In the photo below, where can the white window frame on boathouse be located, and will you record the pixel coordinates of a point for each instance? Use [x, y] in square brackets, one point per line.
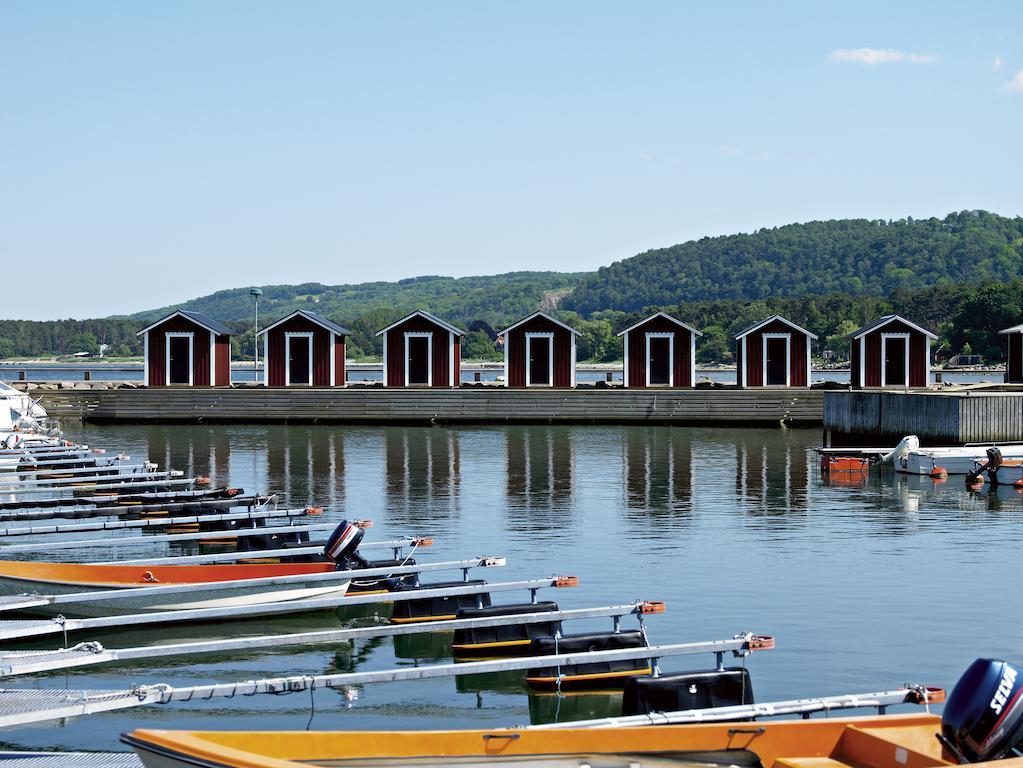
[670, 336]
[884, 356]
[168, 335]
[429, 357]
[550, 357]
[788, 358]
[288, 336]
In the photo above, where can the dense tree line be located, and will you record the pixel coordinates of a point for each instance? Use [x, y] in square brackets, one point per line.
[29, 338]
[963, 314]
[957, 276]
[852, 256]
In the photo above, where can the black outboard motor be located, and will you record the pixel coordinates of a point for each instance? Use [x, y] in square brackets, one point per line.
[994, 461]
[983, 717]
[342, 547]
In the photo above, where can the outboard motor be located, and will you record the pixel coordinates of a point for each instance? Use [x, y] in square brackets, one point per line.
[994, 461]
[983, 717]
[342, 546]
[899, 453]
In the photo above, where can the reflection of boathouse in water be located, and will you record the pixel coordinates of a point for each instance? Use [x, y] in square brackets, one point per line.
[539, 477]
[198, 449]
[658, 469]
[772, 479]
[306, 465]
[422, 475]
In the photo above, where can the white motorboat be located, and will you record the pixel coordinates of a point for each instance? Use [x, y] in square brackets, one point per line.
[23, 422]
[910, 458]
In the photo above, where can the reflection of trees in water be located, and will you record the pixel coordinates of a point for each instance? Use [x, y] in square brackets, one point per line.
[658, 468]
[772, 477]
[422, 475]
[306, 465]
[541, 465]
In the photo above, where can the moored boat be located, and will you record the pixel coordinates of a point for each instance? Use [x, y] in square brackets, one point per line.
[117, 589]
[22, 577]
[982, 724]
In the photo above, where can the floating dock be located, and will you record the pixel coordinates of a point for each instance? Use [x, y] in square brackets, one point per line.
[969, 415]
[467, 405]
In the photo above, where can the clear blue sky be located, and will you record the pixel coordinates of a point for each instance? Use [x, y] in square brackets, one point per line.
[153, 152]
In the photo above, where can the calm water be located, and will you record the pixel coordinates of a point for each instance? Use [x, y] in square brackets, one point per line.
[864, 587]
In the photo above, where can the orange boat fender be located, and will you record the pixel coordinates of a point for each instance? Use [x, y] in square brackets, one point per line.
[939, 473]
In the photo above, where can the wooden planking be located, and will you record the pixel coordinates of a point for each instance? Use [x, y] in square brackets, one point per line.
[994, 417]
[934, 417]
[483, 405]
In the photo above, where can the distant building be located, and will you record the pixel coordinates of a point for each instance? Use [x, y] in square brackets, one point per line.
[965, 361]
[1013, 354]
[539, 351]
[891, 352]
[304, 350]
[187, 349]
[773, 353]
[660, 351]
[421, 350]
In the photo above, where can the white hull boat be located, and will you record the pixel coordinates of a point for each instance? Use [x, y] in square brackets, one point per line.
[909, 458]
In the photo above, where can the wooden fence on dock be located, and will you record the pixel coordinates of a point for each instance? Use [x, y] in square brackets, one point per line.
[935, 417]
[485, 405]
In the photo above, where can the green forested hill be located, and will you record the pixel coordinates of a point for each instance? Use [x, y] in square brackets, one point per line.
[474, 302]
[958, 275]
[495, 298]
[850, 256]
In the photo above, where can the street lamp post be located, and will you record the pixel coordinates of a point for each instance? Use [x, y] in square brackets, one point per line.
[255, 293]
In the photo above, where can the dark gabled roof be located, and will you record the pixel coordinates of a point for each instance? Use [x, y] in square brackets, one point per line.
[423, 313]
[666, 316]
[883, 321]
[544, 315]
[771, 319]
[312, 317]
[196, 317]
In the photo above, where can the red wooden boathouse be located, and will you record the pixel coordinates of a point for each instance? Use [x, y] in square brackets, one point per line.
[187, 349]
[539, 351]
[773, 353]
[660, 351]
[891, 352]
[421, 350]
[304, 350]
[1013, 354]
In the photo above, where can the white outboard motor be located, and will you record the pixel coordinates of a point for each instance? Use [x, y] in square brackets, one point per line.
[901, 451]
[342, 546]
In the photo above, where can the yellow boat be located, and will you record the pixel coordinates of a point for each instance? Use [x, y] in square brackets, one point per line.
[982, 724]
[889, 741]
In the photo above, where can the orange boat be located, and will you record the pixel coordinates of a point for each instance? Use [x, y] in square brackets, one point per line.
[47, 578]
[982, 724]
[22, 577]
[889, 741]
